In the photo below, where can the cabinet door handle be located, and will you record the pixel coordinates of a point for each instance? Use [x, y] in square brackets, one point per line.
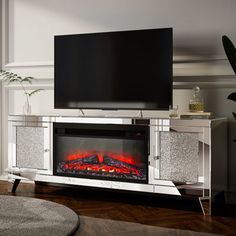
[46, 150]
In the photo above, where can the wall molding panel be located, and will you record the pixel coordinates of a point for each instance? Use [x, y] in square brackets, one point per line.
[205, 69]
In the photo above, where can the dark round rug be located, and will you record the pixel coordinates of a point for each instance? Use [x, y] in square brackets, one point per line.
[30, 216]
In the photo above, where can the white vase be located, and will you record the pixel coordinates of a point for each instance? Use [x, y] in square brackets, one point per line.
[27, 107]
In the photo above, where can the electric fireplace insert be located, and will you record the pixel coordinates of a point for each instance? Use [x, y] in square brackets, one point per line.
[101, 151]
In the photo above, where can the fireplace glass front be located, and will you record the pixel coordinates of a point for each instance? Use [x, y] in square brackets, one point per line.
[101, 151]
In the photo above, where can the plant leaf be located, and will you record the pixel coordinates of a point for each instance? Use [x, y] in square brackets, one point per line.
[5, 75]
[234, 114]
[230, 51]
[232, 96]
[34, 92]
[13, 79]
[2, 73]
[27, 79]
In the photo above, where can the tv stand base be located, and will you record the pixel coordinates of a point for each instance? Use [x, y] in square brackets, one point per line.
[187, 158]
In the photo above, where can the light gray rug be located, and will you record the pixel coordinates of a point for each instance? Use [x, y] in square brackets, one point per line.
[29, 216]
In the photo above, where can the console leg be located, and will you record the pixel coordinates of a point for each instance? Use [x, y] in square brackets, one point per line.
[15, 185]
[205, 205]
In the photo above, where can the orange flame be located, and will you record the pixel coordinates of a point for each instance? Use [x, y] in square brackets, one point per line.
[124, 157]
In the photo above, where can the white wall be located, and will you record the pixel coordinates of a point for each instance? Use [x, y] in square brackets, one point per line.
[198, 53]
[197, 25]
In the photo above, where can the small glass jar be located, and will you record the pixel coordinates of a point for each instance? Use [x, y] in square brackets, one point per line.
[196, 104]
[173, 111]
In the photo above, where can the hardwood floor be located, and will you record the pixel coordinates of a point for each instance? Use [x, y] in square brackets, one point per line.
[96, 206]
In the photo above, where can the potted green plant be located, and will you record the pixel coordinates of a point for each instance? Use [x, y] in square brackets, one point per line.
[230, 51]
[11, 77]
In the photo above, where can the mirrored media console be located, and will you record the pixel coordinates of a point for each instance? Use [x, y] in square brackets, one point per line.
[160, 156]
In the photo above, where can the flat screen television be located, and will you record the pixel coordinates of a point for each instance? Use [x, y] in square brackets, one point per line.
[114, 70]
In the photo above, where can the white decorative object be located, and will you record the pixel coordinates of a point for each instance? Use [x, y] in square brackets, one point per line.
[27, 106]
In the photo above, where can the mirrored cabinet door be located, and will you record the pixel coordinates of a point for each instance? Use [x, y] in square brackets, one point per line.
[29, 145]
[180, 157]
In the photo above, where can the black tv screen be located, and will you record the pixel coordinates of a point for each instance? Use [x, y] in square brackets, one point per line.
[114, 70]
